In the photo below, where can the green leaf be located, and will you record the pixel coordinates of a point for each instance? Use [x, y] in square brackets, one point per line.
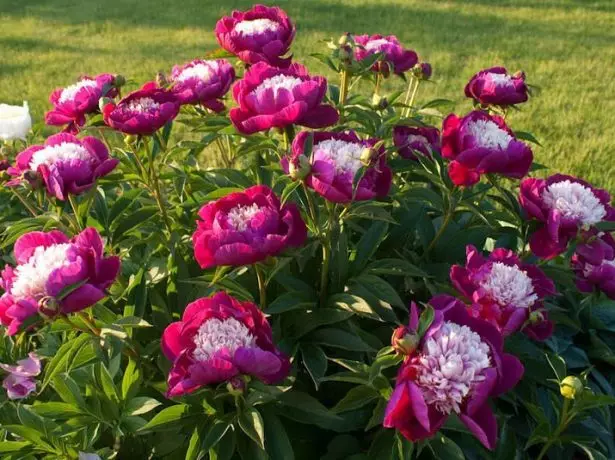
[62, 360]
[131, 382]
[134, 221]
[7, 447]
[106, 382]
[525, 136]
[338, 338]
[140, 405]
[279, 447]
[315, 362]
[425, 320]
[443, 447]
[307, 404]
[377, 415]
[194, 445]
[167, 418]
[301, 323]
[251, 423]
[357, 397]
[296, 300]
[397, 267]
[56, 410]
[368, 244]
[215, 433]
[380, 289]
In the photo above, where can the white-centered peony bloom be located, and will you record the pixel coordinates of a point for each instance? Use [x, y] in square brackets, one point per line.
[215, 335]
[15, 121]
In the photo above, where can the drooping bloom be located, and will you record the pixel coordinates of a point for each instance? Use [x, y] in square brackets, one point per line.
[55, 275]
[142, 112]
[458, 365]
[243, 228]
[496, 86]
[409, 139]
[73, 103]
[270, 97]
[66, 164]
[335, 160]
[202, 82]
[261, 34]
[218, 338]
[21, 382]
[15, 121]
[594, 263]
[479, 144]
[563, 205]
[395, 55]
[504, 291]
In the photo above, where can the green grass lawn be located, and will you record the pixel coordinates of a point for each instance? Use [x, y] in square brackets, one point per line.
[567, 47]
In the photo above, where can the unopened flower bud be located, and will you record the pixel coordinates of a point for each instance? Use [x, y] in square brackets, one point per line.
[161, 80]
[4, 165]
[103, 101]
[537, 317]
[119, 80]
[48, 306]
[519, 74]
[367, 155]
[299, 168]
[236, 386]
[33, 178]
[404, 341]
[379, 102]
[571, 387]
[422, 71]
[345, 54]
[345, 40]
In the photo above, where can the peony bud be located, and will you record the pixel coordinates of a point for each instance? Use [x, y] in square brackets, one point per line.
[300, 168]
[103, 101]
[519, 74]
[422, 71]
[345, 54]
[48, 306]
[368, 155]
[571, 387]
[379, 102]
[536, 317]
[404, 341]
[119, 81]
[345, 40]
[33, 178]
[161, 80]
[236, 386]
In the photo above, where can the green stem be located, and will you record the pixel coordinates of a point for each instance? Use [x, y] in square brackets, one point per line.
[447, 219]
[27, 205]
[104, 138]
[155, 187]
[225, 158]
[345, 80]
[378, 80]
[563, 423]
[311, 206]
[75, 208]
[411, 102]
[289, 135]
[262, 286]
[326, 255]
[411, 83]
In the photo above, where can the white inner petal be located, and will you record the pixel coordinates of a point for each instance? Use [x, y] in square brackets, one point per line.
[574, 201]
[346, 156]
[508, 285]
[202, 71]
[501, 79]
[488, 134]
[256, 26]
[276, 83]
[240, 216]
[31, 277]
[376, 45]
[451, 364]
[65, 151]
[416, 139]
[215, 334]
[69, 93]
[142, 105]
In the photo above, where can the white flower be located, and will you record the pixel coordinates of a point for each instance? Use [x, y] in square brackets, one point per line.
[15, 121]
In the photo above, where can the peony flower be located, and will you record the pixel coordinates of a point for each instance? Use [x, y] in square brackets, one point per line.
[394, 54]
[73, 103]
[495, 86]
[481, 144]
[269, 97]
[409, 139]
[55, 275]
[66, 164]
[458, 365]
[243, 228]
[20, 382]
[15, 121]
[202, 82]
[594, 263]
[504, 291]
[218, 338]
[142, 112]
[563, 205]
[261, 34]
[335, 160]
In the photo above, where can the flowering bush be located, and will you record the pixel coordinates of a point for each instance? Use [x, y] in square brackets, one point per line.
[361, 275]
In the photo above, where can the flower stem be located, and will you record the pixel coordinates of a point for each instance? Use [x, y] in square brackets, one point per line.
[27, 205]
[447, 219]
[311, 206]
[289, 135]
[564, 420]
[75, 208]
[326, 255]
[345, 80]
[262, 286]
[154, 183]
[409, 102]
[378, 80]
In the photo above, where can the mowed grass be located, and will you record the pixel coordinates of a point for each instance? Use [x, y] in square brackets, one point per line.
[566, 47]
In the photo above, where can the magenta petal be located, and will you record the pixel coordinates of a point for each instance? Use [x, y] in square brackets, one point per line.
[257, 362]
[213, 371]
[81, 298]
[419, 406]
[26, 244]
[171, 341]
[482, 391]
[483, 425]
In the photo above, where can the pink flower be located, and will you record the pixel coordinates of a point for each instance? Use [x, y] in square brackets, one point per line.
[495, 86]
[246, 227]
[504, 291]
[409, 139]
[458, 365]
[262, 34]
[394, 54]
[594, 263]
[142, 112]
[202, 82]
[55, 275]
[217, 339]
[335, 159]
[270, 97]
[66, 164]
[562, 205]
[481, 144]
[73, 103]
[20, 382]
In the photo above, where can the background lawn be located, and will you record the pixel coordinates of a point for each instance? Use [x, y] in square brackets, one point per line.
[567, 47]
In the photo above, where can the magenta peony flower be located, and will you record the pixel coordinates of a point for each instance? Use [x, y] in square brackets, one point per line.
[394, 54]
[482, 144]
[217, 339]
[269, 97]
[594, 263]
[563, 205]
[20, 382]
[262, 34]
[142, 112]
[458, 365]
[335, 159]
[202, 82]
[409, 139]
[73, 103]
[48, 266]
[66, 164]
[504, 291]
[246, 227]
[495, 86]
